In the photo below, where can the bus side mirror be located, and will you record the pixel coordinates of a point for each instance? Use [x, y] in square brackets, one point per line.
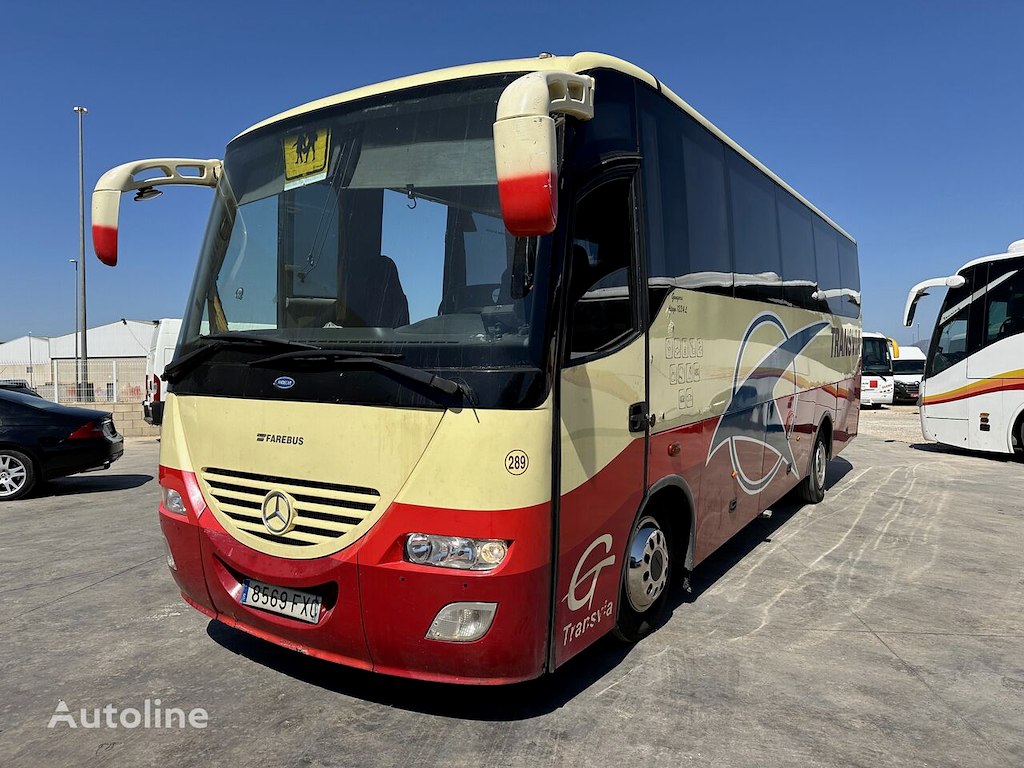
[106, 196]
[526, 149]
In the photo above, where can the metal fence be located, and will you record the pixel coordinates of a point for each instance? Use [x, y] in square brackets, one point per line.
[121, 380]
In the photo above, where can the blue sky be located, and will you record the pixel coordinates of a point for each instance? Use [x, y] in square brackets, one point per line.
[901, 120]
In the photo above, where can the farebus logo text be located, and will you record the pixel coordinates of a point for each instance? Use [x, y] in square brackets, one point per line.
[264, 437]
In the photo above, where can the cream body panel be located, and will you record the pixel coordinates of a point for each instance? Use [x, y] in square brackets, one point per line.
[595, 412]
[695, 343]
[465, 465]
[368, 447]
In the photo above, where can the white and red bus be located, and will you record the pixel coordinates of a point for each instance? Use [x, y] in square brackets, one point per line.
[476, 361]
[972, 394]
[877, 380]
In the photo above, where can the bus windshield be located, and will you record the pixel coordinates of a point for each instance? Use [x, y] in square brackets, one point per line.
[876, 356]
[375, 227]
[908, 367]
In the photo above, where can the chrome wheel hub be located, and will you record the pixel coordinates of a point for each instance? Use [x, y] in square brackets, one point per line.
[820, 460]
[12, 475]
[647, 570]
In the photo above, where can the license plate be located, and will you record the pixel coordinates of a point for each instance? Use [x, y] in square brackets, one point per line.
[287, 602]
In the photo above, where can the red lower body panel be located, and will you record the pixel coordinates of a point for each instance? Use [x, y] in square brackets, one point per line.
[377, 608]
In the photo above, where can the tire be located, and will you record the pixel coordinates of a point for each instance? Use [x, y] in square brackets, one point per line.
[812, 487]
[17, 474]
[646, 576]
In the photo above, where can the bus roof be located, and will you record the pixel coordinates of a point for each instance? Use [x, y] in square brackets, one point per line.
[580, 62]
[1013, 250]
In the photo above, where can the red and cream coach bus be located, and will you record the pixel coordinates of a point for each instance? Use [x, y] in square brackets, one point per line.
[476, 361]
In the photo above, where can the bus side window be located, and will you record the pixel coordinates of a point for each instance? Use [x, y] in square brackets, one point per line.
[601, 291]
[1004, 301]
[952, 344]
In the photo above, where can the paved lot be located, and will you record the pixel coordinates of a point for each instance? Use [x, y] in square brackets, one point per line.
[892, 422]
[883, 627]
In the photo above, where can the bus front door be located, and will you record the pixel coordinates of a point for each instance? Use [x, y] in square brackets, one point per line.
[603, 415]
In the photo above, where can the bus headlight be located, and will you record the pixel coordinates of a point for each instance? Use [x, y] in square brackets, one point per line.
[173, 502]
[462, 622]
[455, 551]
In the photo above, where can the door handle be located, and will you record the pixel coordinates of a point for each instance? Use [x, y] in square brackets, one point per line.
[639, 419]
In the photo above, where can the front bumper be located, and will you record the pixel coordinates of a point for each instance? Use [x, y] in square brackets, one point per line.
[377, 608]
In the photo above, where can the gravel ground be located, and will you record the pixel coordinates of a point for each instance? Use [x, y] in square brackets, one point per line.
[892, 422]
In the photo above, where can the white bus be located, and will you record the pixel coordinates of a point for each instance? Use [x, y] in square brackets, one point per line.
[876, 379]
[972, 395]
[161, 352]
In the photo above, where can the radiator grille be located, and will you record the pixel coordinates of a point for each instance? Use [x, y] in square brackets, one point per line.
[324, 512]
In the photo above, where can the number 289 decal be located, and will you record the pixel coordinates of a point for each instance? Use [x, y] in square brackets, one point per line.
[516, 462]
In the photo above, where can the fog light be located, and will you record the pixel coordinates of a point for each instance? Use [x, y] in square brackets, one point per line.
[462, 622]
[170, 557]
[173, 502]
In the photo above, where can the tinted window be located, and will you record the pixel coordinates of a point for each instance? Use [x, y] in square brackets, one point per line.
[613, 128]
[849, 274]
[876, 355]
[755, 232]
[908, 367]
[1004, 300]
[826, 255]
[665, 196]
[951, 344]
[601, 257]
[704, 167]
[796, 237]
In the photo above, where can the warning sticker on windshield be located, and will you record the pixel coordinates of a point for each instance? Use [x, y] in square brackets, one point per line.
[305, 157]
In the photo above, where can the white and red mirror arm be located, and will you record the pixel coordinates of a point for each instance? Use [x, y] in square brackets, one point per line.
[525, 147]
[106, 196]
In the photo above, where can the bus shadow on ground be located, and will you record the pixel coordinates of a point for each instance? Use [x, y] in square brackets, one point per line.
[952, 450]
[521, 701]
[70, 486]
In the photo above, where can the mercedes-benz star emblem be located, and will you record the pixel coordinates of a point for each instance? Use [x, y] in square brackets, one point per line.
[278, 513]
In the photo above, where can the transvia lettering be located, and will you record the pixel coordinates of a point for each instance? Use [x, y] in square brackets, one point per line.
[845, 342]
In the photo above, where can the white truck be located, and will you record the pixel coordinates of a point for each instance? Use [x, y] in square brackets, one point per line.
[161, 351]
[908, 370]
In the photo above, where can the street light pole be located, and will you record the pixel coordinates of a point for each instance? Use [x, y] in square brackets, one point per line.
[83, 376]
[77, 372]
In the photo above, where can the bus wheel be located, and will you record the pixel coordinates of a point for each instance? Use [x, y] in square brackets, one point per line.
[812, 487]
[647, 574]
[17, 475]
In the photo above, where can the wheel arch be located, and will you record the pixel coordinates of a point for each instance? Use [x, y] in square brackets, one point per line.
[825, 426]
[672, 495]
[25, 450]
[1017, 430]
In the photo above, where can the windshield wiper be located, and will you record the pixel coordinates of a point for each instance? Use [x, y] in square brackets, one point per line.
[179, 366]
[317, 355]
[371, 360]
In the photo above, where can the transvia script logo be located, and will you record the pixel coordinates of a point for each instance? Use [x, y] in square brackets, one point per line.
[572, 597]
[751, 414]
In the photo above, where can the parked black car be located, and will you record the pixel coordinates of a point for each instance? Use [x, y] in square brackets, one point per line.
[40, 440]
[18, 385]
